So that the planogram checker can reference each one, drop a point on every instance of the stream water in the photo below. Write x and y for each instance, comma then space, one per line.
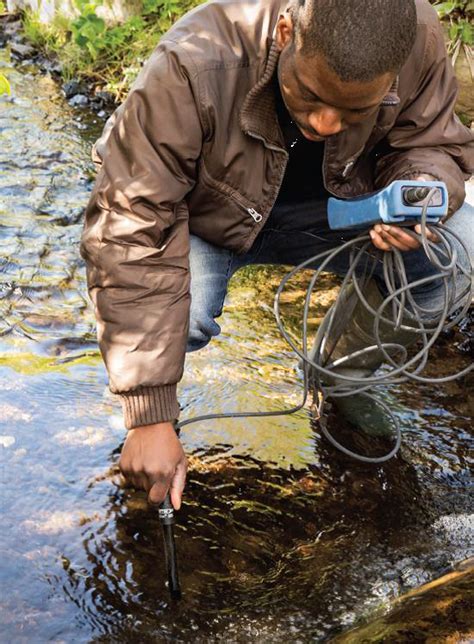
280, 538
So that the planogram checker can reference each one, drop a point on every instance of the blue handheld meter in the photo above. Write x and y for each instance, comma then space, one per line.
399, 202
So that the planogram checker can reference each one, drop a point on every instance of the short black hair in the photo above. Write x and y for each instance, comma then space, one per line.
360, 39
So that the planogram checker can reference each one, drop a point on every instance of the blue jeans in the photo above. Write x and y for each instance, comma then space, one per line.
292, 234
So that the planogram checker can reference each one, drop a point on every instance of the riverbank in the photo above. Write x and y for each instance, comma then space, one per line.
102, 58
96, 57
80, 93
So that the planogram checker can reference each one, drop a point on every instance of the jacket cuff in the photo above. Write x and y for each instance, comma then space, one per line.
149, 405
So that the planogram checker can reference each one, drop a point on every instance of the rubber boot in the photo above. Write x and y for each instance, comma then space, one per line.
352, 330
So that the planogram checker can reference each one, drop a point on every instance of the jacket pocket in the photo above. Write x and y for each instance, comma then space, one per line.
229, 192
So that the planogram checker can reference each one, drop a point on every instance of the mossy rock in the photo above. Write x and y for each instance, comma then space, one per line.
465, 75
464, 69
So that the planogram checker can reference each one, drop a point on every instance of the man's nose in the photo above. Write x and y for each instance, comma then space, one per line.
326, 121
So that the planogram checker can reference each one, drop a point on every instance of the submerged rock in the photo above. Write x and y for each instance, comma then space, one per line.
7, 441
442, 608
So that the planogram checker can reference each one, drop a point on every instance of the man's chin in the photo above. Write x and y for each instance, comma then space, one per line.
313, 137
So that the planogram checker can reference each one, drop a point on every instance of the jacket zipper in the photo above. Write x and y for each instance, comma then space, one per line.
256, 216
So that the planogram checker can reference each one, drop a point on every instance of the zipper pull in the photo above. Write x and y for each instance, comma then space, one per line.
347, 168
256, 216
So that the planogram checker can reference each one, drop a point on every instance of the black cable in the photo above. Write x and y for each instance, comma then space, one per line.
398, 304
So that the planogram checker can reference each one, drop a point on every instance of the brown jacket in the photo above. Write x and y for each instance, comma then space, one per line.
197, 147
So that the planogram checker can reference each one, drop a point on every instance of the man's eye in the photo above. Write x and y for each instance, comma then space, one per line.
309, 97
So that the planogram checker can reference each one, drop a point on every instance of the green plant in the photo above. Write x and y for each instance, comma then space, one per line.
110, 56
4, 85
460, 14
167, 8
88, 29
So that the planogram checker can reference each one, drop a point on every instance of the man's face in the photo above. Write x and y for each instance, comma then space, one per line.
318, 101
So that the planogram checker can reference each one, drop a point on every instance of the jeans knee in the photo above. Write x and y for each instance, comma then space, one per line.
201, 330
195, 344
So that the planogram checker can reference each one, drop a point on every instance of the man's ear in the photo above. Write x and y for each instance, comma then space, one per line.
284, 30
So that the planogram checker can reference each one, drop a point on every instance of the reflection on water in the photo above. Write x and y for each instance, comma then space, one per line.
280, 537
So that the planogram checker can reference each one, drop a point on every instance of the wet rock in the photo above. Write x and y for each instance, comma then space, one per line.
89, 436
9, 413
12, 27
79, 100
105, 97
23, 51
103, 103
55, 522
71, 88
466, 330
7, 441
53, 67
442, 608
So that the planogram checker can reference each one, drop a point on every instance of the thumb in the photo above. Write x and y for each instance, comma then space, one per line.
177, 484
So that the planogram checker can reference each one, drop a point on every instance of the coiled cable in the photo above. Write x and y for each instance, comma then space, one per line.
428, 324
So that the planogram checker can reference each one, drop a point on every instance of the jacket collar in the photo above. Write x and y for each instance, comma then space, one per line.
258, 116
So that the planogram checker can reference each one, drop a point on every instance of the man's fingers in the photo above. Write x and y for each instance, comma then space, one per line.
378, 241
158, 491
387, 237
398, 237
177, 484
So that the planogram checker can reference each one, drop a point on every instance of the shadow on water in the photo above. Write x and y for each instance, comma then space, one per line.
263, 551
280, 537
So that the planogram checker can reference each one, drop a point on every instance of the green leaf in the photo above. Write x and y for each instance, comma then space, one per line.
454, 31
92, 50
150, 6
445, 8
4, 85
99, 23
81, 40
467, 35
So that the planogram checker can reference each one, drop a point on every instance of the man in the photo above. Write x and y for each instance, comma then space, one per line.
246, 117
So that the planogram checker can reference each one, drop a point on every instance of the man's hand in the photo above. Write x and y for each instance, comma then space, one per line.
387, 236
153, 459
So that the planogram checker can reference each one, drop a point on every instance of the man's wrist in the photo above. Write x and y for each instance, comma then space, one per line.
150, 405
